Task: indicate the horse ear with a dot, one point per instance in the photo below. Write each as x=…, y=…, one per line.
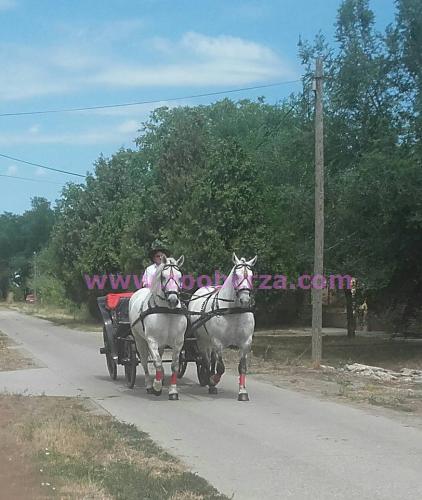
x=180, y=261
x=252, y=262
x=235, y=259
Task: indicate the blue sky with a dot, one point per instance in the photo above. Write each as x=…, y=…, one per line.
x=62, y=53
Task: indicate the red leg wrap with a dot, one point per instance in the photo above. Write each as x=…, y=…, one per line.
x=242, y=380
x=159, y=375
x=173, y=380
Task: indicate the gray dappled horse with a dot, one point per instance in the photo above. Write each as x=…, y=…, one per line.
x=157, y=320
x=230, y=322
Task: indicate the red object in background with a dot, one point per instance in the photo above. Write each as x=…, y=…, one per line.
x=113, y=299
x=30, y=298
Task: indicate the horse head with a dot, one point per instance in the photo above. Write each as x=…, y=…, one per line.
x=242, y=275
x=170, y=278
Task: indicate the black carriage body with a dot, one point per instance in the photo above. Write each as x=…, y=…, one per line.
x=120, y=348
x=119, y=344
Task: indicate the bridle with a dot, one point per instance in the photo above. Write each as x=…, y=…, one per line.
x=164, y=283
x=245, y=268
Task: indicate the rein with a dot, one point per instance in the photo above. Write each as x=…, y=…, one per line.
x=171, y=278
x=204, y=317
x=245, y=278
x=157, y=310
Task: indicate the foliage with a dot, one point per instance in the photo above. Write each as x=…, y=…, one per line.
x=239, y=176
x=20, y=237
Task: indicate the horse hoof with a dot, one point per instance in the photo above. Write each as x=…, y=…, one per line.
x=174, y=397
x=156, y=393
x=212, y=390
x=150, y=390
x=243, y=396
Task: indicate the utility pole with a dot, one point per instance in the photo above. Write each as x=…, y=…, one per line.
x=35, y=277
x=319, y=217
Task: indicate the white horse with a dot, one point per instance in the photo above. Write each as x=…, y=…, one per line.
x=234, y=326
x=157, y=320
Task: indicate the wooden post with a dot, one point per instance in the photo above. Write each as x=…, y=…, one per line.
x=319, y=218
x=35, y=278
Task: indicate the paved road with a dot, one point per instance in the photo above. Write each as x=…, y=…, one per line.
x=281, y=445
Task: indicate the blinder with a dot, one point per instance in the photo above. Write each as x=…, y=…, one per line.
x=164, y=284
x=246, y=267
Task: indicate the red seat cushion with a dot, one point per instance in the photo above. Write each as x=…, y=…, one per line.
x=113, y=299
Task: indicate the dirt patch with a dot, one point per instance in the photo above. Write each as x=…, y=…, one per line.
x=376, y=350
x=285, y=361
x=19, y=476
x=12, y=358
x=80, y=452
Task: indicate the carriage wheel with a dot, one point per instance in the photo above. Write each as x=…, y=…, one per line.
x=183, y=364
x=203, y=373
x=131, y=361
x=111, y=364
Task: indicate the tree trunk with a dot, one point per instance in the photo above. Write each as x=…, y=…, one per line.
x=351, y=320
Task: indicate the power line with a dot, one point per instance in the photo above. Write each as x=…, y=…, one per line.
x=138, y=103
x=29, y=179
x=41, y=166
x=276, y=129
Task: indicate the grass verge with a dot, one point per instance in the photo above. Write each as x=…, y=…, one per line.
x=285, y=361
x=79, y=319
x=11, y=358
x=83, y=454
x=375, y=350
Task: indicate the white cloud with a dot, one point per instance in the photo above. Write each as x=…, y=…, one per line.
x=228, y=48
x=119, y=133
x=193, y=60
x=34, y=129
x=161, y=44
x=8, y=4
x=199, y=60
x=39, y=172
x=12, y=170
x=128, y=127
x=27, y=73
x=104, y=32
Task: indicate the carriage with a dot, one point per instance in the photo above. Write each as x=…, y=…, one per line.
x=120, y=347
x=197, y=334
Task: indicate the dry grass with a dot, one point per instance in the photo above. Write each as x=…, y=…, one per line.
x=82, y=490
x=12, y=358
x=286, y=363
x=185, y=495
x=78, y=319
x=376, y=350
x=89, y=455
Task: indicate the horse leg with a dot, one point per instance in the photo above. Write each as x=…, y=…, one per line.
x=205, y=366
x=213, y=361
x=217, y=368
x=243, y=393
x=173, y=393
x=144, y=354
x=220, y=367
x=157, y=385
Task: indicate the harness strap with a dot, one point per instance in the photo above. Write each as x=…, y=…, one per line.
x=157, y=310
x=205, y=317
